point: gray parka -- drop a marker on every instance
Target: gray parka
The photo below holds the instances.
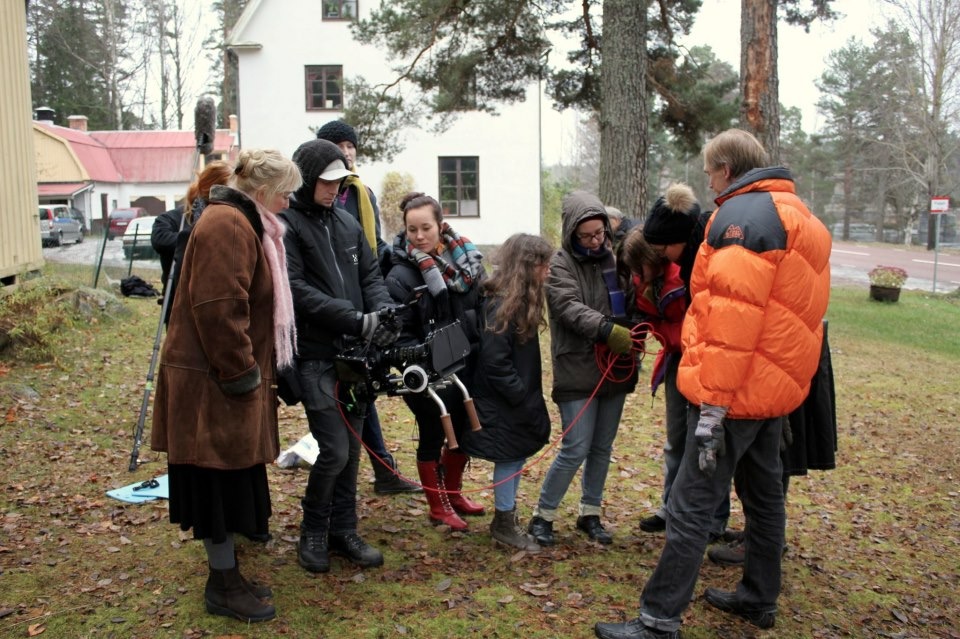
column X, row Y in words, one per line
column 579, row 307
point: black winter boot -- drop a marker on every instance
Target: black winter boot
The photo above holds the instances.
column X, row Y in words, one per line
column 387, row 480
column 226, row 595
column 354, row 548
column 313, row 551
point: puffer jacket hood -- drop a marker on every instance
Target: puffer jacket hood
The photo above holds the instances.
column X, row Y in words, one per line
column 578, row 207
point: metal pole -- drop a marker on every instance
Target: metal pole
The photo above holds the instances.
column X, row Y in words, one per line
column 936, row 248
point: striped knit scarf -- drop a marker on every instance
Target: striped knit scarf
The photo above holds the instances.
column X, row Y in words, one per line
column 439, row 272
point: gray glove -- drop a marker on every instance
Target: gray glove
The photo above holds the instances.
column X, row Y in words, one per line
column 381, row 333
column 710, row 440
column 368, row 325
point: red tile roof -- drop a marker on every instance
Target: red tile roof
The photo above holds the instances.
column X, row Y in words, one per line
column 94, row 157
column 139, row 156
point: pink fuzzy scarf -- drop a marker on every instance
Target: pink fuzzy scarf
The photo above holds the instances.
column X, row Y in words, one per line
column 284, row 328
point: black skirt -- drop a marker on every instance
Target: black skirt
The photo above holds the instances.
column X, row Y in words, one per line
column 217, row 502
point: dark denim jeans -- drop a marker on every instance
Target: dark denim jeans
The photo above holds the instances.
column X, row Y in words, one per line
column 676, row 426
column 752, row 460
column 330, row 500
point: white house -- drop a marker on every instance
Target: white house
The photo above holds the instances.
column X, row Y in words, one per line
column 293, row 55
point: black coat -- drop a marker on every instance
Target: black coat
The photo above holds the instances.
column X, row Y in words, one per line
column 508, row 396
column 814, row 423
column 334, row 278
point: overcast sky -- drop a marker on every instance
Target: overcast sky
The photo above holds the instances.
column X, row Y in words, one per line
column 801, row 60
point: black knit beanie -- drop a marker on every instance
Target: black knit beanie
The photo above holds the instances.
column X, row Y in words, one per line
column 672, row 217
column 338, row 131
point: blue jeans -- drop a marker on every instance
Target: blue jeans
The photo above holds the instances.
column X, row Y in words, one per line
column 373, row 436
column 505, row 494
column 330, row 500
column 588, row 443
column 752, row 460
column 676, row 425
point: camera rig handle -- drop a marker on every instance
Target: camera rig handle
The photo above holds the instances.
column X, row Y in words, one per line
column 445, row 419
column 468, row 404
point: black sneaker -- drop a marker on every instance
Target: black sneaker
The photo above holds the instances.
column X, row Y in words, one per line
column 591, row 525
column 653, row 523
column 728, row 602
column 542, row 531
column 359, row 552
column 633, row 629
column 313, row 552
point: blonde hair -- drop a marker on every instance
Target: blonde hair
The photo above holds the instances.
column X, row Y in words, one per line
column 266, row 173
column 735, row 148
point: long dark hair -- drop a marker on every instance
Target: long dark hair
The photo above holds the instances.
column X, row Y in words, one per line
column 516, row 283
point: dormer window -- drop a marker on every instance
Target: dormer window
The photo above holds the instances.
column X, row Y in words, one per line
column 339, row 9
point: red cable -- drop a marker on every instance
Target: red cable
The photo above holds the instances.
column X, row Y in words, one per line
column 606, row 361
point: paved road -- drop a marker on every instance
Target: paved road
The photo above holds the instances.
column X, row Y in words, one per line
column 850, row 261
column 88, row 252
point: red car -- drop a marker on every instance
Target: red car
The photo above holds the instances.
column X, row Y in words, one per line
column 120, row 218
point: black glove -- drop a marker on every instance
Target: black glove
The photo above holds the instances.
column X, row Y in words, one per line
column 710, row 440
column 387, row 332
column 786, row 435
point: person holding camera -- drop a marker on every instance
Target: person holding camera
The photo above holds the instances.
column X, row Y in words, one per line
column 358, row 200
column 429, row 253
column 337, row 293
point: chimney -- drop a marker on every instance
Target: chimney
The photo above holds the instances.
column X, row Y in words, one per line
column 233, row 123
column 44, row 114
column 77, row 122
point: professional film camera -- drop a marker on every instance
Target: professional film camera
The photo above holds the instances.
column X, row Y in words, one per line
column 368, row 371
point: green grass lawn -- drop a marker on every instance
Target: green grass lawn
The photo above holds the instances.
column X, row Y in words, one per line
column 873, row 544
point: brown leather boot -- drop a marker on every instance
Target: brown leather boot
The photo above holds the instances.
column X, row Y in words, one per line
column 505, row 530
column 441, row 512
column 226, row 595
column 453, row 465
column 257, row 589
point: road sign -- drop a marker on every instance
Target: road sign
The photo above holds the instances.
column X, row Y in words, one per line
column 939, row 204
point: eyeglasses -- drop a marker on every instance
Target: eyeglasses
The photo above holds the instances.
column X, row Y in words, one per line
column 589, row 238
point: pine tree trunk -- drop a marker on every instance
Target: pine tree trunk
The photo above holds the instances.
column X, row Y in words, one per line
column 623, row 116
column 759, row 82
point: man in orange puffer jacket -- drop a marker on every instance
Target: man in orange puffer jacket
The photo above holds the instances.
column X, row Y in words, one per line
column 751, row 343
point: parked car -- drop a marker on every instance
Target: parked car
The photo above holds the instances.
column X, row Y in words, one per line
column 120, row 218
column 59, row 224
column 136, row 239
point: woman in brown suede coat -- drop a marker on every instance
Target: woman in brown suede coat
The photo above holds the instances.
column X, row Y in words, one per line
column 215, row 412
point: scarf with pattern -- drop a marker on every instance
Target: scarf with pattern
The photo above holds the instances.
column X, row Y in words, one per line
column 456, row 267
